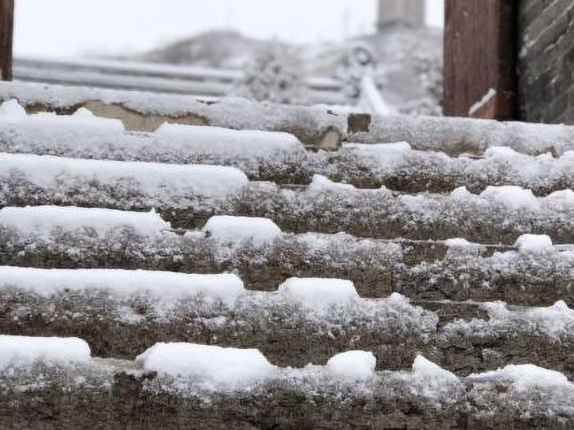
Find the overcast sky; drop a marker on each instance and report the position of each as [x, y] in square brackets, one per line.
[68, 28]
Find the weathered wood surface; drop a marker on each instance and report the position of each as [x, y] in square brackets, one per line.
[6, 38]
[480, 54]
[546, 47]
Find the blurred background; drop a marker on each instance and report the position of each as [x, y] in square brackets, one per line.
[380, 55]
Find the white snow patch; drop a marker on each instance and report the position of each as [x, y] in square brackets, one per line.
[562, 196]
[232, 230]
[527, 376]
[321, 184]
[382, 156]
[490, 94]
[431, 380]
[461, 193]
[353, 365]
[153, 178]
[83, 112]
[502, 152]
[42, 220]
[554, 321]
[225, 141]
[319, 294]
[513, 197]
[431, 373]
[11, 110]
[458, 243]
[42, 124]
[22, 352]
[534, 244]
[165, 287]
[212, 367]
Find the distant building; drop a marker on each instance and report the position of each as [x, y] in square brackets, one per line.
[410, 11]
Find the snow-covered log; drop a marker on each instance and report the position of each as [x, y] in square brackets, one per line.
[120, 313]
[316, 127]
[171, 392]
[278, 157]
[459, 135]
[187, 195]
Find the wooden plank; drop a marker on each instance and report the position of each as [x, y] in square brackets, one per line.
[480, 54]
[6, 38]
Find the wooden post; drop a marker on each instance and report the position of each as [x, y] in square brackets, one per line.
[6, 38]
[480, 56]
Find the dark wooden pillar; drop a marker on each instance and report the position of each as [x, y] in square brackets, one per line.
[480, 55]
[6, 38]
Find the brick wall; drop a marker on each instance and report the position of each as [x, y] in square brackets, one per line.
[546, 61]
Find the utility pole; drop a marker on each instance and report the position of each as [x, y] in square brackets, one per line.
[6, 38]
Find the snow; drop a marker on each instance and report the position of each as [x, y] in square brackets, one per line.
[450, 134]
[225, 141]
[43, 220]
[382, 158]
[321, 184]
[319, 294]
[212, 367]
[83, 135]
[161, 181]
[231, 113]
[11, 110]
[555, 322]
[490, 94]
[461, 193]
[433, 374]
[22, 352]
[562, 196]
[353, 365]
[430, 380]
[458, 243]
[234, 230]
[526, 377]
[42, 125]
[513, 197]
[534, 244]
[165, 287]
[382, 150]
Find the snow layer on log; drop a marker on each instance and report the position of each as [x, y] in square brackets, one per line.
[232, 230]
[279, 157]
[25, 352]
[168, 288]
[353, 365]
[84, 135]
[211, 367]
[555, 322]
[149, 183]
[460, 135]
[319, 294]
[310, 125]
[42, 221]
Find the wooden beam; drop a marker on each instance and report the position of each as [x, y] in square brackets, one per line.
[480, 55]
[6, 38]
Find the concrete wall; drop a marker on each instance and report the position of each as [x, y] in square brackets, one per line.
[546, 61]
[412, 11]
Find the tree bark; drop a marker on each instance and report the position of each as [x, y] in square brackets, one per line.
[481, 54]
[6, 38]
